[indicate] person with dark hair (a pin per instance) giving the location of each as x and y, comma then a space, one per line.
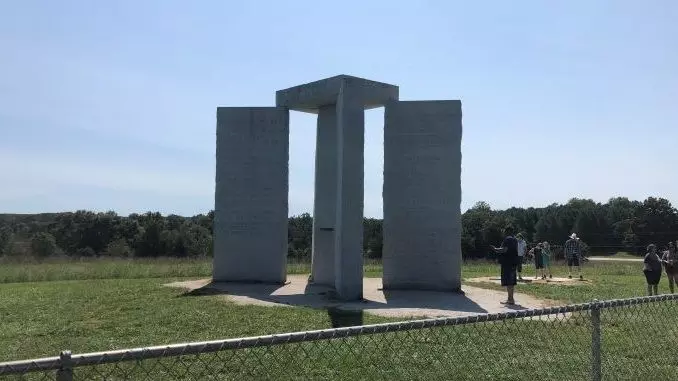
652, 268
508, 259
670, 261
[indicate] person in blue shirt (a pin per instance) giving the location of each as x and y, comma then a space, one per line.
509, 260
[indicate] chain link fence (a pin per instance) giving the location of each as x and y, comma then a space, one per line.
626, 339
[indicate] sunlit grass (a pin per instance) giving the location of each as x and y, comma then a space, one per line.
105, 304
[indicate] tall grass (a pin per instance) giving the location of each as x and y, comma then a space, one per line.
101, 268
54, 269
371, 267
606, 279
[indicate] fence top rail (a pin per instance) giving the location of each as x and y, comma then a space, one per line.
94, 358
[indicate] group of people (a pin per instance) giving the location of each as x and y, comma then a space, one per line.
513, 251
653, 263
540, 253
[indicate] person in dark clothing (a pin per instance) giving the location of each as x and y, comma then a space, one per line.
509, 260
652, 268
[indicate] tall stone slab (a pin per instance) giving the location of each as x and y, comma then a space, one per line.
348, 259
251, 194
422, 195
325, 199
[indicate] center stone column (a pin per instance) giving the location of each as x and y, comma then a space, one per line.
348, 261
339, 102
325, 200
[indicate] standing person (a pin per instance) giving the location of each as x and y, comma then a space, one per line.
546, 258
538, 261
670, 261
522, 248
572, 250
652, 268
508, 260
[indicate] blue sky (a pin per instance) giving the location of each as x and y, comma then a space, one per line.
111, 105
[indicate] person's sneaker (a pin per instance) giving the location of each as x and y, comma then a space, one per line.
581, 277
569, 277
550, 276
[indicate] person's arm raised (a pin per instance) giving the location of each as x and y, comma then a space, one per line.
502, 249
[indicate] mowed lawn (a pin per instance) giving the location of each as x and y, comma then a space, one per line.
100, 305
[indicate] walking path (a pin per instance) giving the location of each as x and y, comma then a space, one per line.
613, 259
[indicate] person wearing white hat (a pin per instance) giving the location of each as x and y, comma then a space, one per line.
573, 250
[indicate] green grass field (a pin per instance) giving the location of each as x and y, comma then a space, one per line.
99, 305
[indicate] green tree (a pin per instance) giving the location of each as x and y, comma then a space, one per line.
6, 236
119, 248
43, 245
300, 230
474, 223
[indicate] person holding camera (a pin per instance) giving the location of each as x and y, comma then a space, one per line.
509, 261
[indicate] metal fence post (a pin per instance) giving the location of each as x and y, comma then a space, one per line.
596, 371
65, 373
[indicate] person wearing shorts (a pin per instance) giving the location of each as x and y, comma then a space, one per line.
670, 261
572, 250
652, 268
508, 259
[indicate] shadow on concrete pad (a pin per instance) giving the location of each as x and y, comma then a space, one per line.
296, 293
233, 288
430, 300
402, 304
318, 296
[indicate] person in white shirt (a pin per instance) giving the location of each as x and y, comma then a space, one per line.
522, 249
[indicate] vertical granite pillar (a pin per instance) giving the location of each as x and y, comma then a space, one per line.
348, 259
325, 199
251, 194
422, 195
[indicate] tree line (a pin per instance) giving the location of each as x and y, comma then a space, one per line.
618, 225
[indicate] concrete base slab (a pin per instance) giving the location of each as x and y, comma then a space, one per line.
531, 280
613, 259
388, 303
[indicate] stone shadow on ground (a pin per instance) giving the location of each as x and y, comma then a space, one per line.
345, 318
405, 304
430, 300
320, 296
290, 293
